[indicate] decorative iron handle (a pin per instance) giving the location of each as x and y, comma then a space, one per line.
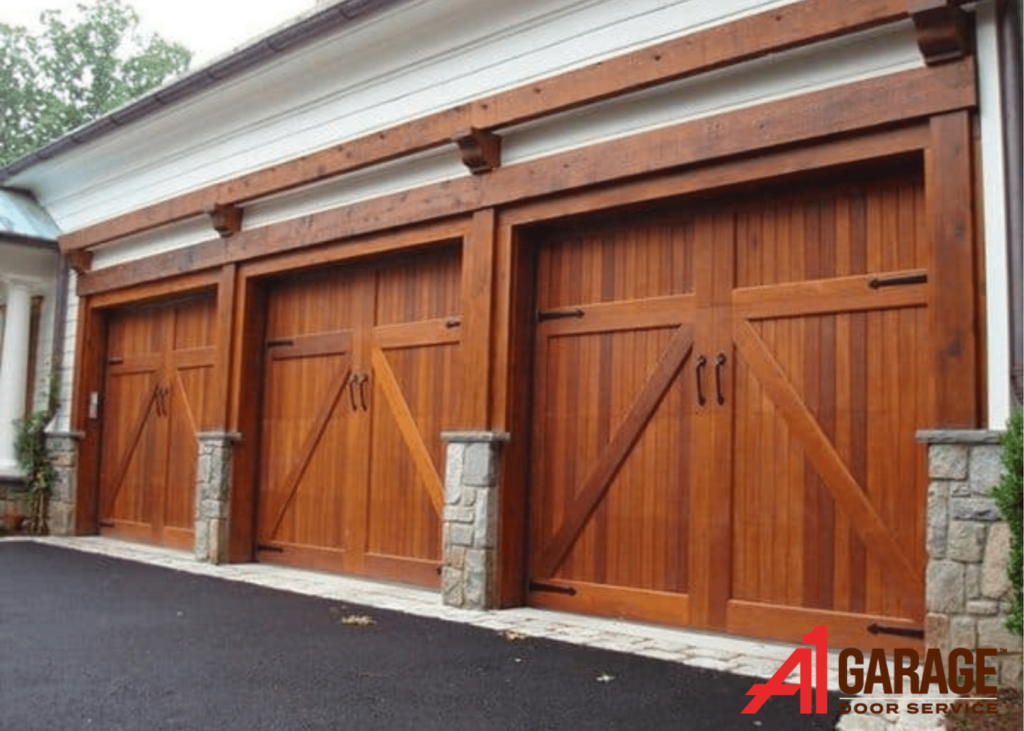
702, 363
363, 379
720, 361
352, 381
158, 399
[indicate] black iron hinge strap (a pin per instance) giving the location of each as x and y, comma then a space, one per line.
881, 629
553, 588
543, 315
898, 280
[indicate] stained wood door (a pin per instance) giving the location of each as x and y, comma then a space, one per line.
832, 378
157, 397
312, 443
747, 462
415, 367
613, 449
358, 373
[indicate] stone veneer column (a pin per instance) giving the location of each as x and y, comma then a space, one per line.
213, 494
967, 589
63, 448
470, 532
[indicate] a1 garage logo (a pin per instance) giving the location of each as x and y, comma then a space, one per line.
815, 683
965, 672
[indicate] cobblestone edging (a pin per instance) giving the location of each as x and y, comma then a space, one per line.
63, 448
213, 494
470, 520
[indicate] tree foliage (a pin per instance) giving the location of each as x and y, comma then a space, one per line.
74, 70
1009, 495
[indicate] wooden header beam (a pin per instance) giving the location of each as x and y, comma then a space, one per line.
799, 24
873, 103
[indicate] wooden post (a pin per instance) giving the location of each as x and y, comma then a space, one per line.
477, 319
245, 380
953, 279
90, 347
224, 342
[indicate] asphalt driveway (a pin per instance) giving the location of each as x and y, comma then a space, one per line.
89, 642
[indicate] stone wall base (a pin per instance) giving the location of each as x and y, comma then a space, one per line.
64, 455
967, 587
213, 495
470, 520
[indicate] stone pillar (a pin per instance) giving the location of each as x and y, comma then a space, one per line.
470, 527
64, 456
966, 585
213, 494
13, 370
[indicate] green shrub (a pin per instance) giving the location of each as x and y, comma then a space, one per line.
33, 456
1009, 495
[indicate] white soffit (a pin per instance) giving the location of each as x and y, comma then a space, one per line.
410, 172
150, 243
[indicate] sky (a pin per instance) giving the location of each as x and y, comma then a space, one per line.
208, 28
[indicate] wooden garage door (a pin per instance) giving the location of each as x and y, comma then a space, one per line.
156, 398
359, 369
724, 418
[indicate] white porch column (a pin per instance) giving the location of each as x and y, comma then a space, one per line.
13, 369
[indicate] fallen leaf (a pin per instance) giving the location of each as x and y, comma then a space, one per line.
358, 620
512, 636
605, 678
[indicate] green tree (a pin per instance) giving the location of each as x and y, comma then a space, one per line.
75, 70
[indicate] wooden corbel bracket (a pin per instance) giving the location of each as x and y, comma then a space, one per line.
80, 260
226, 219
481, 150
943, 30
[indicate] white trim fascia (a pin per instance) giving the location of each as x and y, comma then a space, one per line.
997, 351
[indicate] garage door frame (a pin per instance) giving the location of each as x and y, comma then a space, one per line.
90, 377
942, 143
247, 377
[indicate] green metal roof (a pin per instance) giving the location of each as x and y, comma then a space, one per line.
22, 218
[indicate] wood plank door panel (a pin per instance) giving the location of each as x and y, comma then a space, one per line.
832, 381
415, 366
311, 441
358, 372
725, 406
131, 447
189, 408
613, 406
157, 396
